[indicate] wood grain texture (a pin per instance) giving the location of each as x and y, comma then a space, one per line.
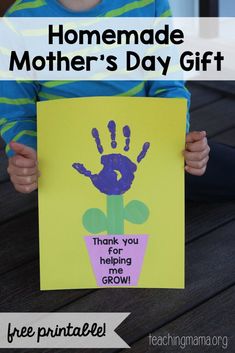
227, 136
215, 117
19, 247
3, 167
202, 96
212, 318
210, 270
222, 87
13, 203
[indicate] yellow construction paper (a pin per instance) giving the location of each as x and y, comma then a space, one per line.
64, 138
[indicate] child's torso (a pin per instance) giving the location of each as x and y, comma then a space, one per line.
105, 8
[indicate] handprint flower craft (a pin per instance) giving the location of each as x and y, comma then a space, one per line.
118, 171
114, 180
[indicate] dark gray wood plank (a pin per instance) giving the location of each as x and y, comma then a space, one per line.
209, 270
3, 167
201, 96
19, 241
19, 291
214, 118
224, 87
202, 218
226, 137
13, 203
216, 317
19, 272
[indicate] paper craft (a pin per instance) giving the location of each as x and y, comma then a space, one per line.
111, 192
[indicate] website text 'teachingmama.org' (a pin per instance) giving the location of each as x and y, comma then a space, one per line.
184, 341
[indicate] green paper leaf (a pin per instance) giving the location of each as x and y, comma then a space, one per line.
136, 212
94, 220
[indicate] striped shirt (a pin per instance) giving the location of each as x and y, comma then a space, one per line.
18, 99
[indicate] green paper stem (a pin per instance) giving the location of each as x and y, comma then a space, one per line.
115, 214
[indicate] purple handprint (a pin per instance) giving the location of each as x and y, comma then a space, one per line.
118, 171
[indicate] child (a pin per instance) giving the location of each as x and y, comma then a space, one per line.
18, 99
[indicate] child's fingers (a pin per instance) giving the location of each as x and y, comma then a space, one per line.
22, 162
195, 171
24, 180
195, 156
12, 170
195, 136
198, 164
26, 189
23, 150
198, 146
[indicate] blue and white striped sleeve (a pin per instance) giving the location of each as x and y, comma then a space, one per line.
168, 89
18, 113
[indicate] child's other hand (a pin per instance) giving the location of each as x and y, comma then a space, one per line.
196, 153
23, 168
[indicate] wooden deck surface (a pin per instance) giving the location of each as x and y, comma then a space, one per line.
205, 307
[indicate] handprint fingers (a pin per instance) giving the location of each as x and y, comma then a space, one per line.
144, 151
95, 134
127, 135
112, 130
82, 170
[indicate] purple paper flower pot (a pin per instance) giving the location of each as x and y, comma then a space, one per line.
117, 260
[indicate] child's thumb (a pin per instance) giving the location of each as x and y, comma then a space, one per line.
23, 150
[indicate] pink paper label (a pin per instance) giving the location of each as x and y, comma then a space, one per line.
116, 259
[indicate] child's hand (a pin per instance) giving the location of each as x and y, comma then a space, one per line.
23, 168
196, 153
